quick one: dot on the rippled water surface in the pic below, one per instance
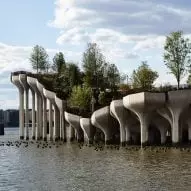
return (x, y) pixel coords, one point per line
(70, 168)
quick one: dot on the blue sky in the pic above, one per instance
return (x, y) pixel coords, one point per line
(127, 32)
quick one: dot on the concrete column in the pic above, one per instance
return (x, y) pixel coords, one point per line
(37, 118)
(27, 113)
(64, 129)
(33, 115)
(72, 133)
(44, 120)
(40, 126)
(189, 134)
(61, 126)
(56, 125)
(50, 121)
(21, 114)
(175, 127)
(163, 135)
(127, 135)
(144, 122)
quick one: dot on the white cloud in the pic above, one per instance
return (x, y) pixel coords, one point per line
(14, 58)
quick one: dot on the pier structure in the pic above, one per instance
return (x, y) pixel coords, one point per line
(142, 118)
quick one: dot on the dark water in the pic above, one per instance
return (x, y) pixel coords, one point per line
(70, 168)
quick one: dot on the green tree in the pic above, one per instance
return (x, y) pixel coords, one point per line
(144, 77)
(113, 77)
(93, 61)
(81, 97)
(39, 58)
(74, 74)
(59, 63)
(177, 54)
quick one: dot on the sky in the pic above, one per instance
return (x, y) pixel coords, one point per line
(127, 32)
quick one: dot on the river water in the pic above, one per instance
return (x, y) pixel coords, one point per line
(71, 168)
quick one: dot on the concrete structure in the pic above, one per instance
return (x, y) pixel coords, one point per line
(74, 122)
(51, 96)
(15, 80)
(88, 129)
(143, 104)
(43, 112)
(61, 104)
(125, 119)
(103, 120)
(36, 132)
(148, 118)
(23, 81)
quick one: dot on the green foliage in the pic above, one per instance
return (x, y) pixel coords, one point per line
(93, 61)
(112, 76)
(39, 59)
(74, 74)
(177, 54)
(59, 63)
(80, 97)
(144, 77)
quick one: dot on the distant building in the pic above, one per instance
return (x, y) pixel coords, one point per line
(1, 116)
(11, 118)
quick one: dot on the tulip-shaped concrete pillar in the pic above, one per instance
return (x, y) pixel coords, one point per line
(125, 119)
(33, 114)
(44, 100)
(102, 119)
(51, 96)
(32, 83)
(61, 104)
(88, 129)
(50, 119)
(23, 80)
(143, 104)
(15, 80)
(176, 103)
(74, 121)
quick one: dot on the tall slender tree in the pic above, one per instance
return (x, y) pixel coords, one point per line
(39, 58)
(177, 54)
(59, 63)
(92, 61)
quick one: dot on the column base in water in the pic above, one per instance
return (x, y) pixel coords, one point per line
(71, 139)
(145, 144)
(128, 142)
(45, 139)
(56, 139)
(64, 140)
(122, 144)
(51, 139)
(33, 137)
(176, 144)
(27, 138)
(108, 142)
(21, 137)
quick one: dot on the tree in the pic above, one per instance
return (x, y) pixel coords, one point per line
(113, 76)
(58, 63)
(74, 74)
(39, 58)
(93, 61)
(81, 97)
(144, 77)
(177, 54)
